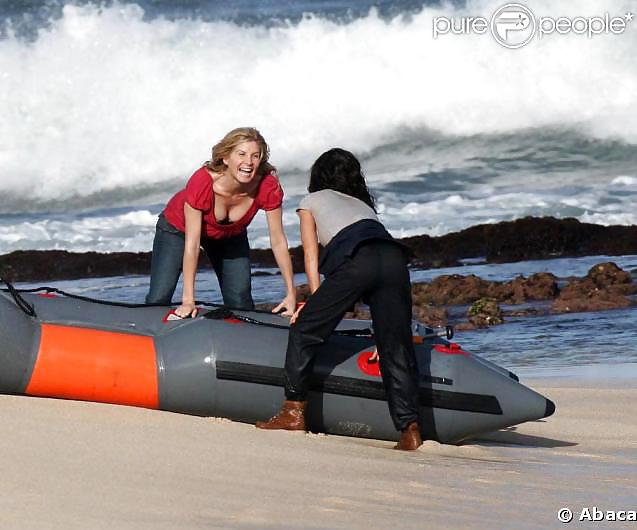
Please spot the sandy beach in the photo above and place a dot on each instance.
(68, 464)
(499, 142)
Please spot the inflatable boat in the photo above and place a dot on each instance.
(230, 364)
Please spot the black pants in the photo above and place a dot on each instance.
(378, 273)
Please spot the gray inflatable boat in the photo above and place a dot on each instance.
(231, 365)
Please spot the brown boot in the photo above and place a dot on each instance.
(291, 417)
(410, 439)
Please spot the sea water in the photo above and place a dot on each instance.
(534, 345)
(108, 106)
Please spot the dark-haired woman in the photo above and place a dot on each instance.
(360, 260)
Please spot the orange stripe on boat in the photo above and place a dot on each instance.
(94, 365)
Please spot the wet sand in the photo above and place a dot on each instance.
(67, 464)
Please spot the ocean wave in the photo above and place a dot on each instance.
(129, 232)
(105, 98)
(405, 214)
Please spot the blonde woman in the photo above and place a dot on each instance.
(213, 211)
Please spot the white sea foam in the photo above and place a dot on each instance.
(131, 232)
(434, 215)
(609, 218)
(624, 181)
(104, 98)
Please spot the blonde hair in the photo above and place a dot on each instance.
(231, 140)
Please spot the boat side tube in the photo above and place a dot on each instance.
(20, 334)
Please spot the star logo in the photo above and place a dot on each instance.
(513, 25)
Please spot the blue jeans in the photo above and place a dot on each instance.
(230, 259)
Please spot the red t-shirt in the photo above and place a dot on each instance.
(198, 193)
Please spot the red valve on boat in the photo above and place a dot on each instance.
(453, 348)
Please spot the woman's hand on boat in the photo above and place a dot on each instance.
(186, 310)
(299, 307)
(287, 305)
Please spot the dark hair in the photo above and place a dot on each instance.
(339, 170)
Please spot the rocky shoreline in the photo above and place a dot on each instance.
(508, 241)
(471, 301)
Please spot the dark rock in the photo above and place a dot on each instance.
(33, 265)
(537, 238)
(450, 289)
(431, 316)
(538, 286)
(606, 286)
(523, 239)
(607, 274)
(599, 302)
(485, 312)
(456, 289)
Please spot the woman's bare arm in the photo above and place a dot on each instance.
(279, 245)
(310, 249)
(191, 259)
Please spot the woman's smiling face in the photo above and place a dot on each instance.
(243, 161)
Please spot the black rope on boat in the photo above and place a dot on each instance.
(224, 312)
(221, 312)
(19, 301)
(54, 290)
